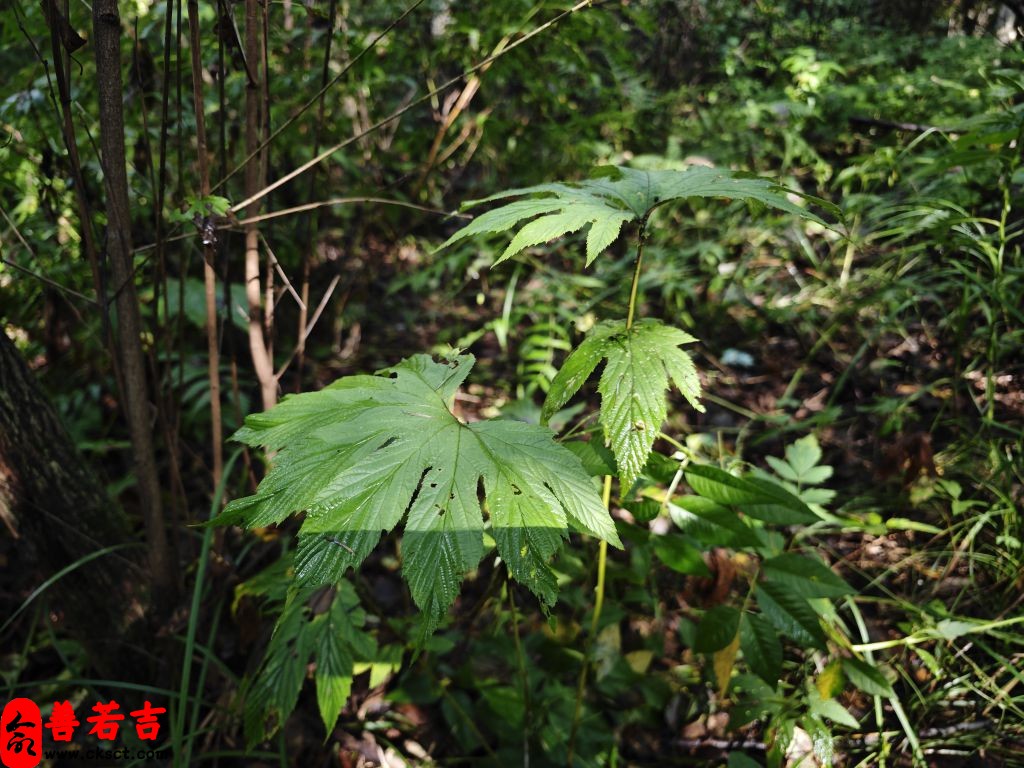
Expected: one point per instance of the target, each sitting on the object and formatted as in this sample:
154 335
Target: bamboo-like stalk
209 273
262 361
311 221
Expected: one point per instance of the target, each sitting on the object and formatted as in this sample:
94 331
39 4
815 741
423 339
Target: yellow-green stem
602 561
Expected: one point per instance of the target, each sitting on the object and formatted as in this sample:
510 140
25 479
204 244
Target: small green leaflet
334 639
711 523
755 496
805 576
868 678
717 629
639 362
614 196
791 614
829 708
368 451
761 648
680 555
801 463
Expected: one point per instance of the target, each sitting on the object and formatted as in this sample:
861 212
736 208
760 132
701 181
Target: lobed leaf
369 451
614 196
639 362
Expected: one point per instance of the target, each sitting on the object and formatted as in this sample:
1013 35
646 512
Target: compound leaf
368 451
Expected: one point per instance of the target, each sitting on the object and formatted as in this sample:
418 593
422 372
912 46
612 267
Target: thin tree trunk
107 45
55 507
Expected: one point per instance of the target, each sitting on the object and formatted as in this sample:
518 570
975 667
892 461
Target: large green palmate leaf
368 451
639 362
614 196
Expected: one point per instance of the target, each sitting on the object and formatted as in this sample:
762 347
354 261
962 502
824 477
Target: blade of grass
178 724
60 575
894 702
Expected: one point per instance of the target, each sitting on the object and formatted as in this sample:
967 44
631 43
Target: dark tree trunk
107 45
57 512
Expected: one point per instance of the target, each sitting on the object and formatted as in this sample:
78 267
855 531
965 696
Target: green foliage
910 324
368 451
755 496
790 580
325 624
612 197
867 677
790 597
762 649
804 576
717 629
201 207
189 295
801 465
639 362
540 346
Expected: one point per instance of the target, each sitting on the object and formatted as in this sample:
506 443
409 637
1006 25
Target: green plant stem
581 687
928 635
201 686
883 746
602 552
637 266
